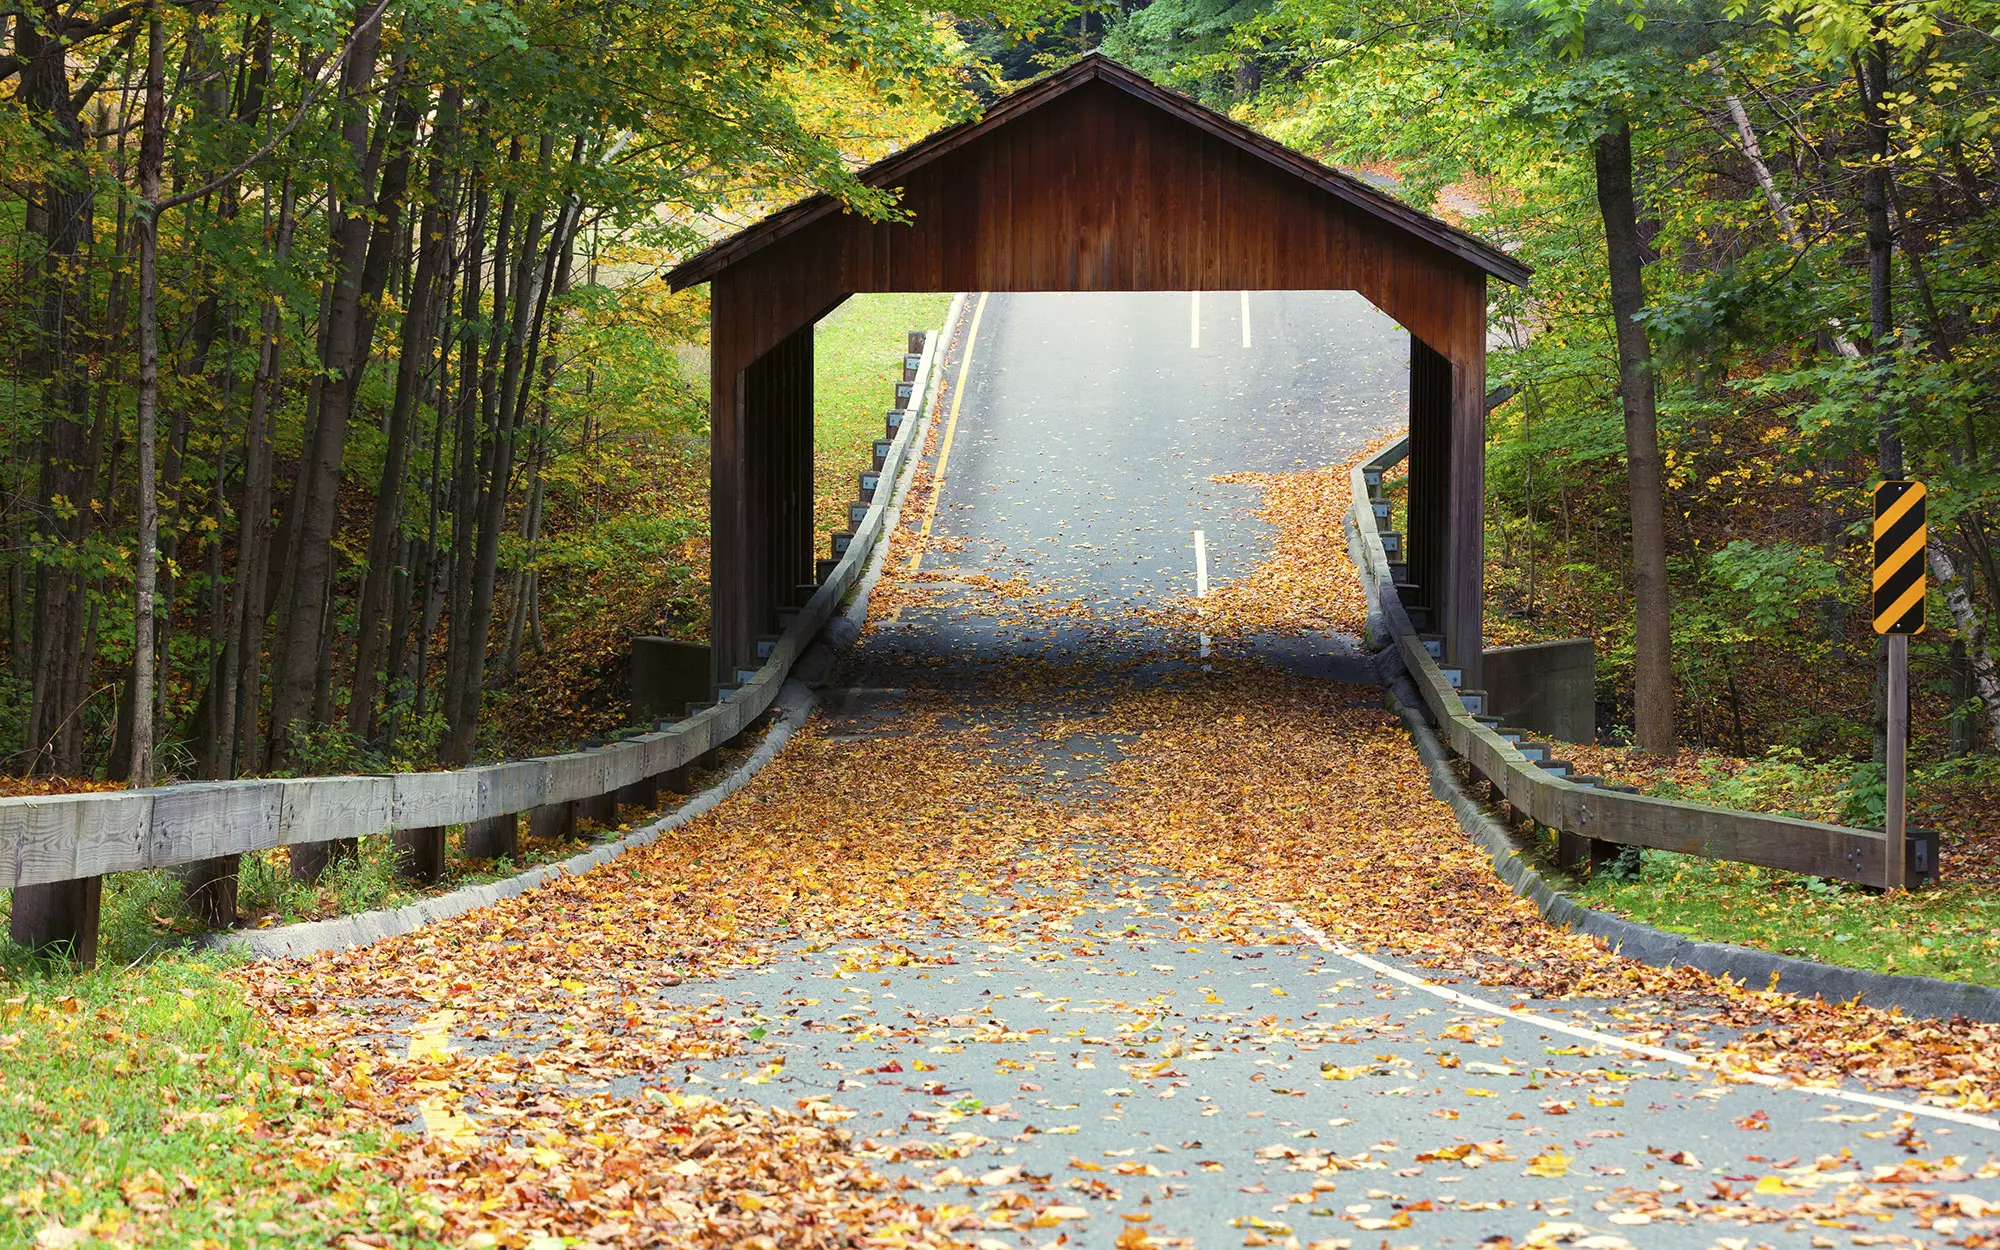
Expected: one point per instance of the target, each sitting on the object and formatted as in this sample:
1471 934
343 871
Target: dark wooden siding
1097 189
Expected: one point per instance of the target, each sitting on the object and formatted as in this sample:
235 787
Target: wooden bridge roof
1350 193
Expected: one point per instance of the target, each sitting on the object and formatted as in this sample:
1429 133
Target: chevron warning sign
1900 583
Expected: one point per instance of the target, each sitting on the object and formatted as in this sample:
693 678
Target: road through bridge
1051 930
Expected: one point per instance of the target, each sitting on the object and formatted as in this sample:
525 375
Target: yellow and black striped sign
1900 583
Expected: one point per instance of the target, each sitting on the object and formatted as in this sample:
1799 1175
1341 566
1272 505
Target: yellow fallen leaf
1370 1224
1550 1163
1333 1072
442 1123
431 1036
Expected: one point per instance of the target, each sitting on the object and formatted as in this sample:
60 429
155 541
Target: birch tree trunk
1972 629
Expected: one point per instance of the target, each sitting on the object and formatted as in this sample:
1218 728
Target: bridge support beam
760 478
1447 533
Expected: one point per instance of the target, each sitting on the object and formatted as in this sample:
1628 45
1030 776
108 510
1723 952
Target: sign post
1900 586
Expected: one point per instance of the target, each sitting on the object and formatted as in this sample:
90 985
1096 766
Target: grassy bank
857 360
153 1107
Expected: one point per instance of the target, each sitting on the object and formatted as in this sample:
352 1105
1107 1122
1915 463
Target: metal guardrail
45 839
1590 818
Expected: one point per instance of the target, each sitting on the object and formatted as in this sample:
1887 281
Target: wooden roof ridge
1096 67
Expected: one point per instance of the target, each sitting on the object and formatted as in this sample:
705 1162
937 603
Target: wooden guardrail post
552 821
644 793
602 809
420 854
59 919
310 860
209 890
497 837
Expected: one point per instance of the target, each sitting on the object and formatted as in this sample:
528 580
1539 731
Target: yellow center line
950 430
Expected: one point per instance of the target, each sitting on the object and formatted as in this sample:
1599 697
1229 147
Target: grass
1952 932
857 361
153 1107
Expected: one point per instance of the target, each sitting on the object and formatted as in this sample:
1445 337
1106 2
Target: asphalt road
1196 1087
1092 426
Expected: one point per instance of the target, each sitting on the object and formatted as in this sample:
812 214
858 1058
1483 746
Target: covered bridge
1092 179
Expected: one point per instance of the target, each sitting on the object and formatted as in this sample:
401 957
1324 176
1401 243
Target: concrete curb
795 703
1803 978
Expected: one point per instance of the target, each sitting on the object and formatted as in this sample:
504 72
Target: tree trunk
1653 672
493 501
465 475
1871 77
152 151
59 359
249 605
302 617
1972 631
417 332
1780 211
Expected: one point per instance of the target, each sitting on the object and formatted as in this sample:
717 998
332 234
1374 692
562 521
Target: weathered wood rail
1589 818
49 839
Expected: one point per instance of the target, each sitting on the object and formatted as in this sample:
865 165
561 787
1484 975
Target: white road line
1194 320
1246 317
1659 1053
1201 579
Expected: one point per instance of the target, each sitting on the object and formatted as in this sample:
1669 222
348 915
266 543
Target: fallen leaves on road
533 1055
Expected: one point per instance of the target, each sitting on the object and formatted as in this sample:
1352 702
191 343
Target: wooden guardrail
49 839
1593 819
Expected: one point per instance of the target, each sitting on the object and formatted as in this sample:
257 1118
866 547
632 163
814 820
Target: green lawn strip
1952 932
152 1106
857 361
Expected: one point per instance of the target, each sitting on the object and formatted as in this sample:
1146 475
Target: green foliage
1770 585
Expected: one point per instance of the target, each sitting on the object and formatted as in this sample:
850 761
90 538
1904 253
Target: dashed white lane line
1246 317
1660 1053
1201 579
1194 320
